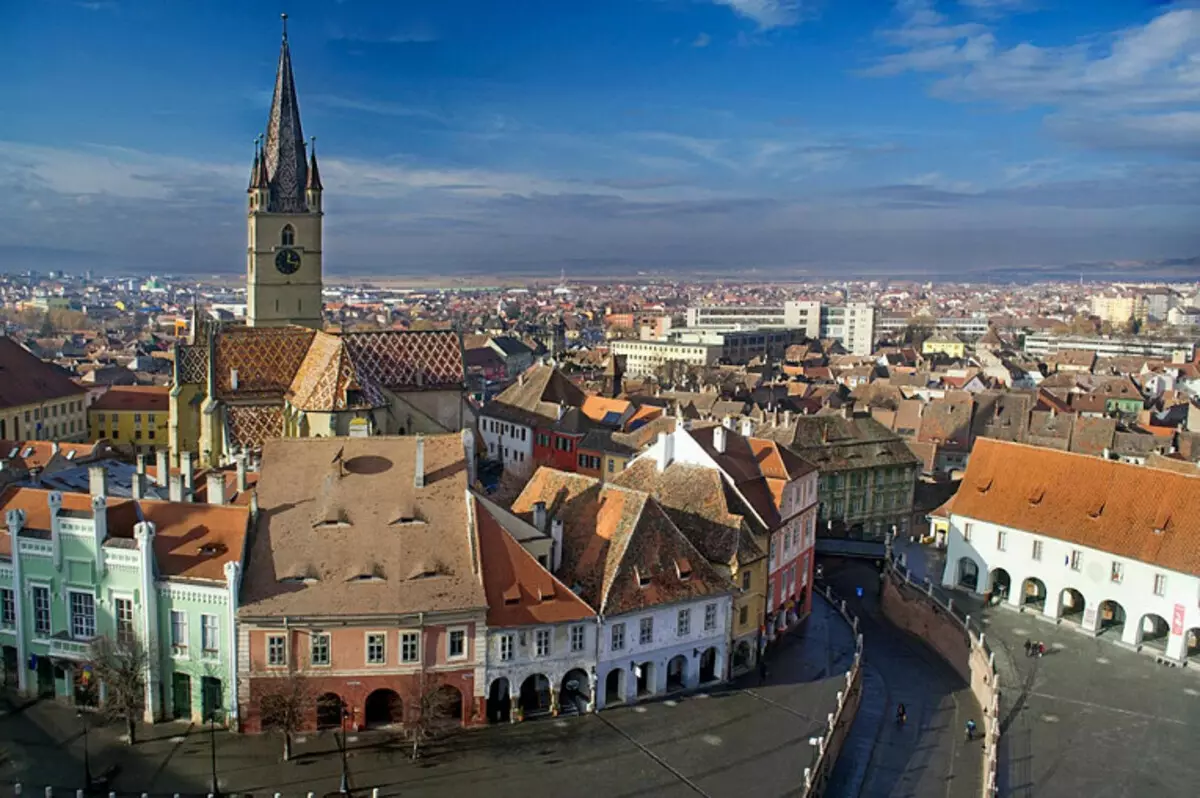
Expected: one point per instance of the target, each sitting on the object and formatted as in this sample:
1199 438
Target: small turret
313 187
259 190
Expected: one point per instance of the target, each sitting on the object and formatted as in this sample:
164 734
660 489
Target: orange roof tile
146 398
1141 513
194 541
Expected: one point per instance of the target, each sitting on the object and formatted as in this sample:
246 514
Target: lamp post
87 762
212 739
344 787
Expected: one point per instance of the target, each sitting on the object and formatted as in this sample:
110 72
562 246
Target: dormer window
684 569
643 578
287 238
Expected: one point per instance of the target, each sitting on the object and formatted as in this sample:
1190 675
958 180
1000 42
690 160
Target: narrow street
926 757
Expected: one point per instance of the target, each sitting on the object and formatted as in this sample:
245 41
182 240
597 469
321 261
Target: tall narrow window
124 613
210 637
319 648
8 609
41 611
376 649
179 633
288 237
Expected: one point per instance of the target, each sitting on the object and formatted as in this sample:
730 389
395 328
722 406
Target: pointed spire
256 168
314 175
286 166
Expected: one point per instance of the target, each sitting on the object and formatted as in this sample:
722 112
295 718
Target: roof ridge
608 583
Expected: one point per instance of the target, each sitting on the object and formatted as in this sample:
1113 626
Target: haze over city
986 138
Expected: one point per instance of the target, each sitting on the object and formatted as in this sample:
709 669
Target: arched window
288 237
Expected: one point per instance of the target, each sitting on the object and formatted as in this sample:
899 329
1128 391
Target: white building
1177 350
643 358
852 324
1106 546
663 609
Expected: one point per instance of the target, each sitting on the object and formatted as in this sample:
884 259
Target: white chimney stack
216 487
161 469
468 442
187 471
419 469
727 423
665 454
539 516
747 427
98 480
719 439
175 488
242 484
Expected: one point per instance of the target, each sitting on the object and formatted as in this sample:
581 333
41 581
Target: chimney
666 450
137 486
187 471
468 442
233 379
175 488
98 480
747 427
419 468
787 418
242 483
100 527
556 533
539 516
141 464
719 439
727 423
848 410
161 469
1105 454
562 410
216 487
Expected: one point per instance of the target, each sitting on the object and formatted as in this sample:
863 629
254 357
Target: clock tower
284 217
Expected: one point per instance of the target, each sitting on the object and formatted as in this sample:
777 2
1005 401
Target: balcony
66 648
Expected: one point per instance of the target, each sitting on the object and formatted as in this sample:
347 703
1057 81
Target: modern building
946 344
976 326
364 575
77 566
645 358
38 401
132 416
664 609
1117 309
851 324
1176 350
1107 547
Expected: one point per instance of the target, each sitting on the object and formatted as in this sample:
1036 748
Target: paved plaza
1091 718
712 744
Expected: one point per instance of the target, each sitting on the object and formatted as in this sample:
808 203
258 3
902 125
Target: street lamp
344 788
212 739
87 762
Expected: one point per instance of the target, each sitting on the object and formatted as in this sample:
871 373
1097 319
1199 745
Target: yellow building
135 416
37 400
944 344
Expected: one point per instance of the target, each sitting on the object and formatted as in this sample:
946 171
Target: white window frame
617 630
211 651
40 634
504 647
382 647
71 594
466 644
270 638
543 642
410 634
683 622
116 603
179 650
710 617
1160 584
578 638
313 637
1076 560
1001 540
8 609
1117 572
1038 548
646 630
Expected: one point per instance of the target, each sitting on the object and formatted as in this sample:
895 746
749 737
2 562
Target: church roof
283 151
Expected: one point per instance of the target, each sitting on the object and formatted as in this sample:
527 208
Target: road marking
1021 631
639 710
662 762
1103 660
1050 718
1191 691
1058 646
671 702
711 739
1093 705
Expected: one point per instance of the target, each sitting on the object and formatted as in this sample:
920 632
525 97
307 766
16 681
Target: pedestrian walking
1028 646
1041 649
970 730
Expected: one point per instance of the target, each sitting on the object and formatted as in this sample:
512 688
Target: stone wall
842 718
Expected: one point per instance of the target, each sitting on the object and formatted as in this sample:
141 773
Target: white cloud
771 13
1152 69
702 40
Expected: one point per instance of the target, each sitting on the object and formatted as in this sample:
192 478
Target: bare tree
285 705
120 665
439 709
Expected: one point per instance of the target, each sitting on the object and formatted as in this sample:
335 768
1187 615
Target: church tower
284 229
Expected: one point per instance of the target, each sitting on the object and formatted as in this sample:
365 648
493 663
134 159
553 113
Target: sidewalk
715 743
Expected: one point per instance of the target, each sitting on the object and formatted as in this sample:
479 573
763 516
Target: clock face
287 261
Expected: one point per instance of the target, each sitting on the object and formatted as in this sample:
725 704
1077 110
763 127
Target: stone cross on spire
283 151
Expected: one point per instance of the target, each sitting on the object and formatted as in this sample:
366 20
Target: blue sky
795 137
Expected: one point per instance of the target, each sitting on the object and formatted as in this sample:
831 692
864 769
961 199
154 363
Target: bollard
829 721
929 587
375 792
17 788
840 698
49 792
79 794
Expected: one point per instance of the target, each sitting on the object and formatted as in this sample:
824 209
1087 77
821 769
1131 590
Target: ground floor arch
535 695
445 705
614 687
1153 631
1191 645
968 574
1033 593
1111 617
1071 605
575 692
999 584
708 665
741 655
677 672
646 674
499 704
330 708
383 708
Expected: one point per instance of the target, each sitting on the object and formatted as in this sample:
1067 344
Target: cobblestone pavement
1091 717
926 757
711 744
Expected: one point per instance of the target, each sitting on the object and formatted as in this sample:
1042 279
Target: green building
75 566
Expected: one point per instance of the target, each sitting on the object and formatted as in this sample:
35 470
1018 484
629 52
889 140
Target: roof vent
1096 511
684 569
212 549
643 579
1036 495
512 595
984 486
71 455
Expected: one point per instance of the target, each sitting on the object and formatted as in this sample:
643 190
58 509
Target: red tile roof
26 379
145 398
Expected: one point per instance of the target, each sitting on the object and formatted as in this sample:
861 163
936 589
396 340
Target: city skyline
979 138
